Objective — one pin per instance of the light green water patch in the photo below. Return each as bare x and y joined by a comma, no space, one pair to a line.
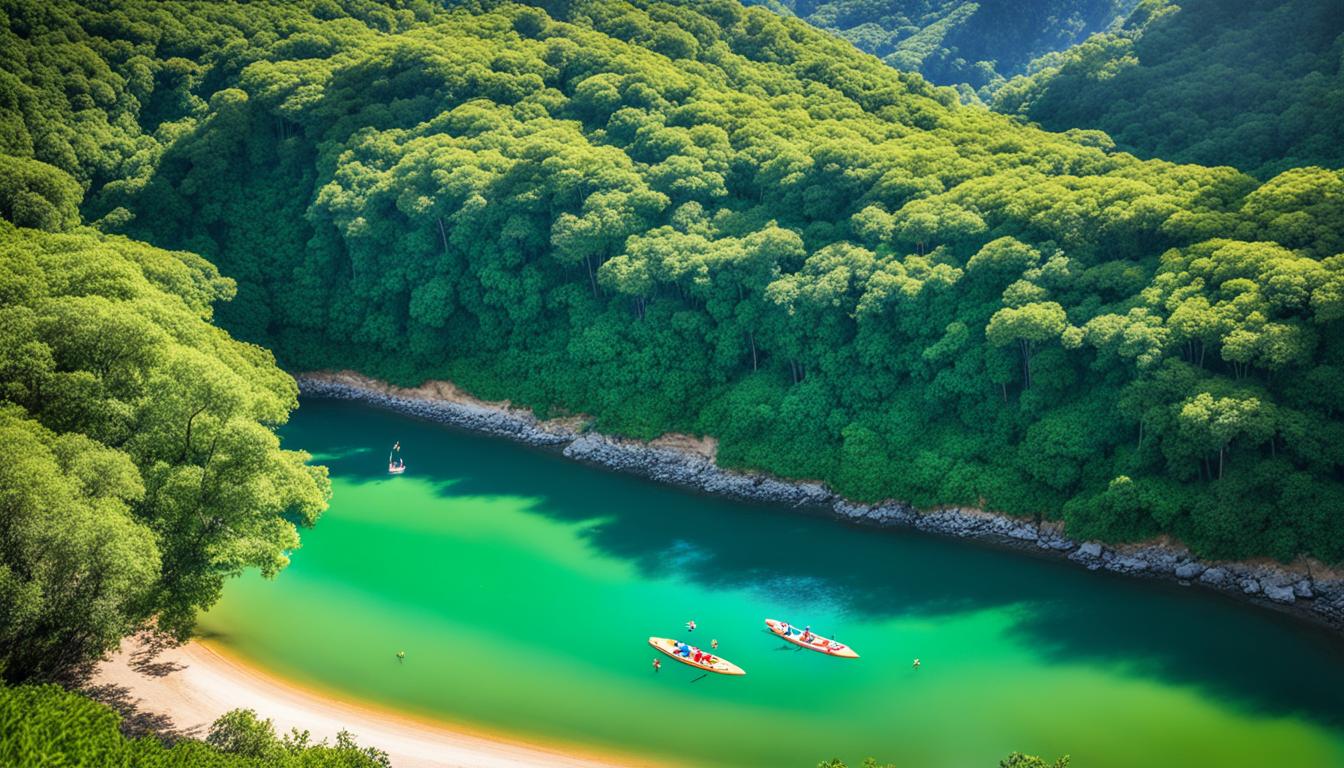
523,588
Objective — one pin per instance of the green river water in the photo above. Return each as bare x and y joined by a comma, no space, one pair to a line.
523,588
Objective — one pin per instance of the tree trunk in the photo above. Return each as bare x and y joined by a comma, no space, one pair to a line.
592,277
443,236
186,444
1026,363
751,337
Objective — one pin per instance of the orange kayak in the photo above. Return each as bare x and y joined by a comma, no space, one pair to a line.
814,643
708,662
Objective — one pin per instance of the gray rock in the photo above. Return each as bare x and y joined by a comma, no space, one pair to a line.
853,511
1090,550
1302,589
1275,577
1280,594
1250,586
1127,564
1217,577
1159,560
1189,570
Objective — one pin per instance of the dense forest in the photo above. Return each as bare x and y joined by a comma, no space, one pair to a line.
1255,84
140,467
692,217
975,45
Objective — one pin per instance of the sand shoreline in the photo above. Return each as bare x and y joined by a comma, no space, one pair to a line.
182,689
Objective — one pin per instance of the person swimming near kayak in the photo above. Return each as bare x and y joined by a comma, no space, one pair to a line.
690,625
714,644
657,665
915,665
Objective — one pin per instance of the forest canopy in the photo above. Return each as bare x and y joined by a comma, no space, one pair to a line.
140,466
698,217
1256,84
975,45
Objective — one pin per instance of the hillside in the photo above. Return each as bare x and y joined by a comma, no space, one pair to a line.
956,42
708,219
141,469
1255,84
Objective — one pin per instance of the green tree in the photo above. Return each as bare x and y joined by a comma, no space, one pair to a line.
1027,326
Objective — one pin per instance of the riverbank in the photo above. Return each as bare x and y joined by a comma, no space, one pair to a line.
1306,589
181,690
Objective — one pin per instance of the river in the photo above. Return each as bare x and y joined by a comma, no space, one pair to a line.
523,587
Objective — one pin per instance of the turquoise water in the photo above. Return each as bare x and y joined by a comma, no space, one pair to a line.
523,588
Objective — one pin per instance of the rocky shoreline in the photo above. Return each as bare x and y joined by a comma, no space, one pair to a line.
1317,597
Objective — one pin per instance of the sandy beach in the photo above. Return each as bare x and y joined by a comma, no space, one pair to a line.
183,689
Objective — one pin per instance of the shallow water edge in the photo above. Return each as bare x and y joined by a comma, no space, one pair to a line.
1306,591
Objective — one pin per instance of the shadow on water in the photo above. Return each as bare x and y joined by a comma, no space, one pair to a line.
1243,656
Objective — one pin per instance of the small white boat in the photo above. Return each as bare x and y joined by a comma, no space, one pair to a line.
395,466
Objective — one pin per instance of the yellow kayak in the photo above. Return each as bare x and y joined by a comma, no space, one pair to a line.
813,642
708,662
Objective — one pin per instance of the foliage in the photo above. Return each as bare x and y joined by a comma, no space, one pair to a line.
1015,760
45,725
240,732
1019,760
959,42
705,218
1257,84
141,468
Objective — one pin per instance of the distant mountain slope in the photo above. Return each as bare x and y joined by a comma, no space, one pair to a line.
952,42
1256,84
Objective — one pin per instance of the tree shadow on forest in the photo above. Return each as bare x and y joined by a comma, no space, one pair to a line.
1257,661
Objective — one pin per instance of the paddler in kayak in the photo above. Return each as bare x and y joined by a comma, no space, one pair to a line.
807,634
